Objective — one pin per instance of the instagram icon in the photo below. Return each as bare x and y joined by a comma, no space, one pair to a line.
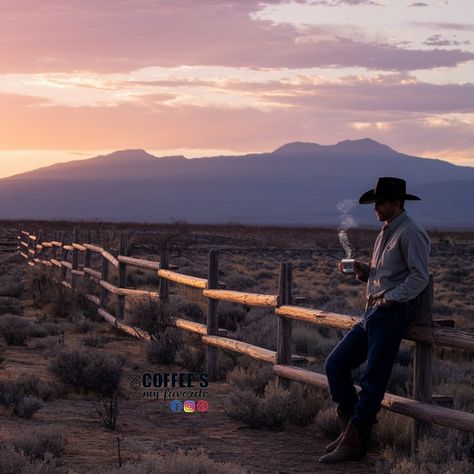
189,406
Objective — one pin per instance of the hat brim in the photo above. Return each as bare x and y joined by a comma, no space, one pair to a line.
369,197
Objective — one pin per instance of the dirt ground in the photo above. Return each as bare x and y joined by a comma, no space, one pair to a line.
146,426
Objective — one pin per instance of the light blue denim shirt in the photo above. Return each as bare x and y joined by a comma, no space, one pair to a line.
400,259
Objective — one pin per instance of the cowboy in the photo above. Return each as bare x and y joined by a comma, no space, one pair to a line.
397,274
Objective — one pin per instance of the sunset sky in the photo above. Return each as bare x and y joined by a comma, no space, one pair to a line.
204,77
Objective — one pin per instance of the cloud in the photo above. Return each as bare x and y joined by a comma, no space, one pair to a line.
392,92
418,4
338,3
440,40
446,25
120,36
394,109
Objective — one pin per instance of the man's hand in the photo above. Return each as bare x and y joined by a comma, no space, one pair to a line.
385,303
361,270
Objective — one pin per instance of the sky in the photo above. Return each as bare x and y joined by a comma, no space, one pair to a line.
80,78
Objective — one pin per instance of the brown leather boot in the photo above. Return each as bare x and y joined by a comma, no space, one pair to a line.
344,417
347,449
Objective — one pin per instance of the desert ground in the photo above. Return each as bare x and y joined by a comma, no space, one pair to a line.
51,422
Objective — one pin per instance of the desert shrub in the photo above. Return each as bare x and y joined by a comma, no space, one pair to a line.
328,423
228,361
15,330
162,349
305,404
28,406
269,411
108,410
23,396
93,340
192,356
462,393
51,343
150,314
401,380
50,328
83,325
276,404
36,443
62,303
140,277
254,377
440,454
260,329
85,306
42,286
230,315
191,310
264,275
239,282
12,286
9,305
182,462
309,341
393,430
14,462
88,370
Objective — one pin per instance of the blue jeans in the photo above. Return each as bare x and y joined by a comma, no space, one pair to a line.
376,338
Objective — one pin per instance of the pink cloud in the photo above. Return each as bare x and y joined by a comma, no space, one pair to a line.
112,36
150,124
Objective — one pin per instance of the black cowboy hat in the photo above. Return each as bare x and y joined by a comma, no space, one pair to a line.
387,188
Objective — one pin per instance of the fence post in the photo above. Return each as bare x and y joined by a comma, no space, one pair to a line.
39,238
212,315
87,263
30,243
75,258
164,264
104,276
122,275
285,296
63,257
20,238
422,363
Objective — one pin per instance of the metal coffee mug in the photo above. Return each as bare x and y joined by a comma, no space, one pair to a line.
348,265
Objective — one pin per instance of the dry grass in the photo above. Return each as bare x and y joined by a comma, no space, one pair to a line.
249,261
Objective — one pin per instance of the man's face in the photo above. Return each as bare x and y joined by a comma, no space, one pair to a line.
386,210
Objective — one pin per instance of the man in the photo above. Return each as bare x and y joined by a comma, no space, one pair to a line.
398,272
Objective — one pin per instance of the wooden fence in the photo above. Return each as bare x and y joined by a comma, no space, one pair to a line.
66,258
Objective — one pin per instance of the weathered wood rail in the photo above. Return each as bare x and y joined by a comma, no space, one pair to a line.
423,332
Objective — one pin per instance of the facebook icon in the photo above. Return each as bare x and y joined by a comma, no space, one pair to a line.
176,405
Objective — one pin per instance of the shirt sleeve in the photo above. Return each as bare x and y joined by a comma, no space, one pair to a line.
415,248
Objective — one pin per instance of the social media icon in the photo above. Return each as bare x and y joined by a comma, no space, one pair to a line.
189,406
176,405
202,406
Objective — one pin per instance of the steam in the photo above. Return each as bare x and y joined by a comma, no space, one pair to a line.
347,222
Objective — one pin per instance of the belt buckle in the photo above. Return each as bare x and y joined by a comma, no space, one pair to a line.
369,303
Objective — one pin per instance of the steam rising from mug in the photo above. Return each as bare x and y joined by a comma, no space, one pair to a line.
347,222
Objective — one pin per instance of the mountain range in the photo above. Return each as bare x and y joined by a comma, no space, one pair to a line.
297,184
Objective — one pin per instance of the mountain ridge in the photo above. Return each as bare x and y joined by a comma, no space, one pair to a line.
297,183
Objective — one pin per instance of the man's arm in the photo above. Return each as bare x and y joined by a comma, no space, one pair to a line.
415,248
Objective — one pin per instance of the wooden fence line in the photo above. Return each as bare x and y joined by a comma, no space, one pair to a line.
422,332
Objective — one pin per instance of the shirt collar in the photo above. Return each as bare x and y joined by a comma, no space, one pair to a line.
391,226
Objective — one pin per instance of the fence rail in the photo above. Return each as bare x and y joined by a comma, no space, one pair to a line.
422,331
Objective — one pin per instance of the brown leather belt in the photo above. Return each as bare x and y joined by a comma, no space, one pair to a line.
373,301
